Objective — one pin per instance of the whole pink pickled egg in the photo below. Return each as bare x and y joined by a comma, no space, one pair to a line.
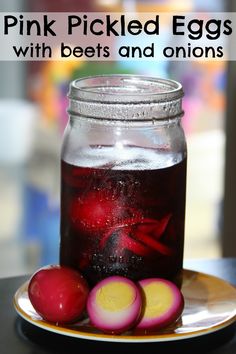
58,293
94,212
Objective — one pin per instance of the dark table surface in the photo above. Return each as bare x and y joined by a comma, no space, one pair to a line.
20,337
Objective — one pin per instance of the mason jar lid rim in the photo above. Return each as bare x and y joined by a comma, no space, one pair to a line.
135,88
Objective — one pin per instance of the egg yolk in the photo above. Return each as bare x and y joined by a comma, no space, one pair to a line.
115,296
158,299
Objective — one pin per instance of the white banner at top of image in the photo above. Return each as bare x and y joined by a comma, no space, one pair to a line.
103,36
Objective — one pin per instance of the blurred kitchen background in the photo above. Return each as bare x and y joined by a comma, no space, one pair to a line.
33,115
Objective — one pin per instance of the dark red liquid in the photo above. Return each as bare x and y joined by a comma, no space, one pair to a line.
126,222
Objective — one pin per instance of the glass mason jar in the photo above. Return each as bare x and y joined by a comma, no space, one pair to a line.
123,178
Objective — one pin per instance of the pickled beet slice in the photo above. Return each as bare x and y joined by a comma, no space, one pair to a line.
142,243
133,245
125,242
147,227
153,226
154,244
161,226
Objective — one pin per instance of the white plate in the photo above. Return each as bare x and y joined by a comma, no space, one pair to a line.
210,305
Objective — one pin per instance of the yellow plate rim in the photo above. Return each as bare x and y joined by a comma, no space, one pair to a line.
124,338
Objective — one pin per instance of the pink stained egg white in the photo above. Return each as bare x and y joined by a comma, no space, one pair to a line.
163,303
58,293
114,305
